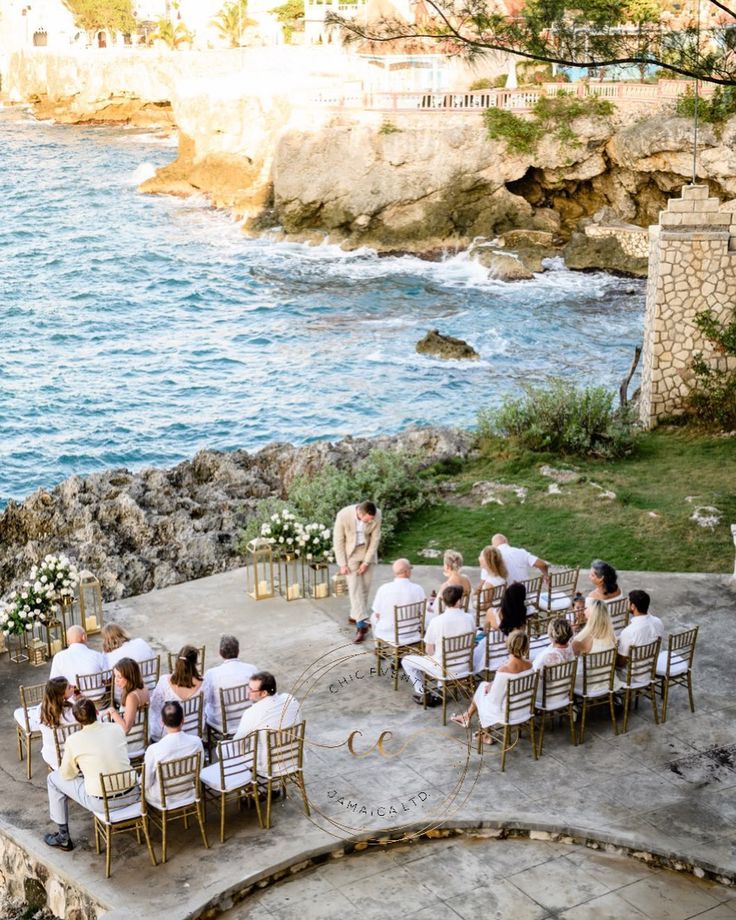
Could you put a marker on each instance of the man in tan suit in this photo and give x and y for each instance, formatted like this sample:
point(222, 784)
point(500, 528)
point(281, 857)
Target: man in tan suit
point(356, 536)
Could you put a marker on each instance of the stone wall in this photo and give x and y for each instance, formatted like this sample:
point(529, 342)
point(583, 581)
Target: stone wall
point(633, 240)
point(692, 267)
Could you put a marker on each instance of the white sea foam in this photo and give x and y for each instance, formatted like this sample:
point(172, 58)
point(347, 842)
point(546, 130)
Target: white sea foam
point(142, 173)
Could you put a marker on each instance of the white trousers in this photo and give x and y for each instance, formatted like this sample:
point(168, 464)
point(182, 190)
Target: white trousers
point(416, 665)
point(61, 790)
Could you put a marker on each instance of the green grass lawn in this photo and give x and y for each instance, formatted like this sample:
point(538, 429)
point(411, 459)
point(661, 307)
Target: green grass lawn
point(646, 526)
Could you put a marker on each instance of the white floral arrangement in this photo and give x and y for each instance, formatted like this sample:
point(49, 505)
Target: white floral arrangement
point(30, 604)
point(317, 543)
point(58, 573)
point(283, 531)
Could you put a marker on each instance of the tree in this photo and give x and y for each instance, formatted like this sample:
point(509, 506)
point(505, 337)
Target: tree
point(232, 20)
point(103, 15)
point(291, 16)
point(573, 33)
point(174, 36)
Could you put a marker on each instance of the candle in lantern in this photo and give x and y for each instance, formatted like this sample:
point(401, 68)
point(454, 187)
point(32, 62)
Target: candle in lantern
point(293, 592)
point(262, 589)
point(90, 624)
point(55, 646)
point(320, 590)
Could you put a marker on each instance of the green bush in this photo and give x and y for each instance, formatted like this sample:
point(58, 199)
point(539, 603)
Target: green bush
point(482, 83)
point(520, 134)
point(564, 419)
point(712, 400)
point(391, 479)
point(715, 110)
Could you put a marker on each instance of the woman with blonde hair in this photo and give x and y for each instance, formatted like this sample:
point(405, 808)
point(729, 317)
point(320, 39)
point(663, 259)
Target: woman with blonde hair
point(597, 635)
point(117, 644)
point(133, 693)
point(55, 710)
point(490, 697)
point(182, 685)
point(493, 574)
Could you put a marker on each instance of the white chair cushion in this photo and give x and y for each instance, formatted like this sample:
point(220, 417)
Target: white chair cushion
point(558, 602)
point(123, 814)
point(679, 665)
point(210, 777)
point(516, 720)
point(554, 704)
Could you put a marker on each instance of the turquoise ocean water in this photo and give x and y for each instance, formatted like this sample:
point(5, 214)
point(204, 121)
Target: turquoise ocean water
point(137, 330)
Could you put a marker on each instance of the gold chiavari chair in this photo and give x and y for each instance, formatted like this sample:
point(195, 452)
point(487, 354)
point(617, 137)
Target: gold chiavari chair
point(181, 796)
point(675, 666)
point(521, 694)
point(123, 809)
point(619, 613)
point(233, 776)
point(97, 687)
point(408, 633)
point(61, 733)
point(150, 672)
point(599, 669)
point(193, 709)
point(558, 593)
point(285, 764)
point(485, 599)
point(465, 605)
point(557, 684)
point(495, 652)
point(641, 676)
point(233, 703)
point(456, 673)
point(24, 722)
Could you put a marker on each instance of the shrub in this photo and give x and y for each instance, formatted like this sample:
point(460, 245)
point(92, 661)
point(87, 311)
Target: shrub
point(388, 127)
point(716, 109)
point(482, 83)
point(521, 134)
point(562, 418)
point(392, 479)
point(712, 400)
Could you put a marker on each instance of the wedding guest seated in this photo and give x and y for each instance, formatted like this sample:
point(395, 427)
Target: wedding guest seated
point(56, 709)
point(231, 673)
point(117, 644)
point(133, 693)
point(559, 649)
point(270, 710)
point(78, 658)
point(490, 697)
point(99, 747)
point(643, 627)
point(604, 580)
point(518, 561)
point(492, 568)
point(453, 622)
point(597, 635)
point(578, 613)
point(180, 686)
point(174, 744)
point(452, 564)
point(397, 593)
point(510, 615)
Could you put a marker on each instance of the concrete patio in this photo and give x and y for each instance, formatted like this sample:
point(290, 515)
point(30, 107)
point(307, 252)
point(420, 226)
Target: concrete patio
point(664, 790)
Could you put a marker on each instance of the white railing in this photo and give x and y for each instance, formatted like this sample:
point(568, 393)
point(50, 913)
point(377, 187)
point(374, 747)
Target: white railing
point(513, 100)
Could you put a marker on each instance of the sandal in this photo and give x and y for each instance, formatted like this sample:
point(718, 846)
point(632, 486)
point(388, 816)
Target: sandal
point(461, 718)
point(485, 737)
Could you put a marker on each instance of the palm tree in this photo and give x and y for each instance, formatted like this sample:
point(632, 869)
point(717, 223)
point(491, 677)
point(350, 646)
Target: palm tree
point(172, 35)
point(232, 20)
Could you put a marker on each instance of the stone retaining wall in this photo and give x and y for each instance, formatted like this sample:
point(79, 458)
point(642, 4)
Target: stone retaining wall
point(692, 267)
point(633, 240)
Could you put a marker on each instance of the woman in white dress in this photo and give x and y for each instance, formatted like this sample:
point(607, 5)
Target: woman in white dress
point(490, 697)
point(55, 710)
point(559, 650)
point(596, 636)
point(180, 686)
point(133, 694)
point(493, 575)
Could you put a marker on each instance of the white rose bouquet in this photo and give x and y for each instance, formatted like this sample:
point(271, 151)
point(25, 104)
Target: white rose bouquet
point(317, 546)
point(32, 603)
point(283, 531)
point(58, 573)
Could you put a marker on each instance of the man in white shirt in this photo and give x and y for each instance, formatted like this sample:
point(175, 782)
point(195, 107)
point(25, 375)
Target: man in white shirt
point(99, 747)
point(517, 560)
point(356, 535)
point(231, 673)
point(397, 593)
point(174, 744)
point(78, 659)
point(270, 710)
point(643, 627)
point(453, 622)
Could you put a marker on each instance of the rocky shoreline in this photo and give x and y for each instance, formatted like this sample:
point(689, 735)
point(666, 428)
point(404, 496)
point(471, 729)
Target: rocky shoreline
point(157, 527)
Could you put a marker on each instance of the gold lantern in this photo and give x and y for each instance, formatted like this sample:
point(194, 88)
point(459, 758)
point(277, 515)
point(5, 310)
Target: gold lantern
point(17, 643)
point(317, 579)
point(54, 633)
point(87, 606)
point(70, 615)
point(290, 577)
point(37, 649)
point(259, 569)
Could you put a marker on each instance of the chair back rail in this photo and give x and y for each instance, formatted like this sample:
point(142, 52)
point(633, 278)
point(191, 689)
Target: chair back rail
point(558, 684)
point(285, 750)
point(496, 651)
point(521, 695)
point(641, 668)
point(61, 733)
point(560, 587)
point(97, 687)
point(409, 622)
point(150, 672)
point(237, 760)
point(31, 696)
point(533, 589)
point(180, 778)
point(457, 655)
point(137, 737)
point(598, 672)
point(486, 598)
point(466, 602)
point(233, 703)
point(121, 791)
point(193, 715)
point(681, 648)
point(619, 613)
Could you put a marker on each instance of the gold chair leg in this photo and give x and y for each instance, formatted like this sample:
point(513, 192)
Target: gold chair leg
point(254, 794)
point(444, 702)
point(541, 731)
point(397, 666)
point(149, 844)
point(613, 714)
point(108, 851)
point(689, 693)
point(186, 821)
point(97, 836)
point(29, 746)
point(268, 805)
point(665, 696)
point(19, 739)
point(582, 719)
point(506, 736)
point(627, 703)
point(223, 800)
point(303, 789)
point(571, 717)
point(164, 828)
point(653, 697)
point(202, 828)
point(531, 732)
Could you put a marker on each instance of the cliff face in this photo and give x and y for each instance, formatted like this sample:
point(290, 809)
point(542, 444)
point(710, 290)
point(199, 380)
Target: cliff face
point(138, 531)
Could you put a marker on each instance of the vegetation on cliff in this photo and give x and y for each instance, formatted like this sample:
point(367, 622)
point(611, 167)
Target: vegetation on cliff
point(712, 401)
point(96, 15)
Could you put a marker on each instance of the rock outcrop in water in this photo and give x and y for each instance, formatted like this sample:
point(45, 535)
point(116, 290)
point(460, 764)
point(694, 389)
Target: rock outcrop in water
point(446, 346)
point(159, 527)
